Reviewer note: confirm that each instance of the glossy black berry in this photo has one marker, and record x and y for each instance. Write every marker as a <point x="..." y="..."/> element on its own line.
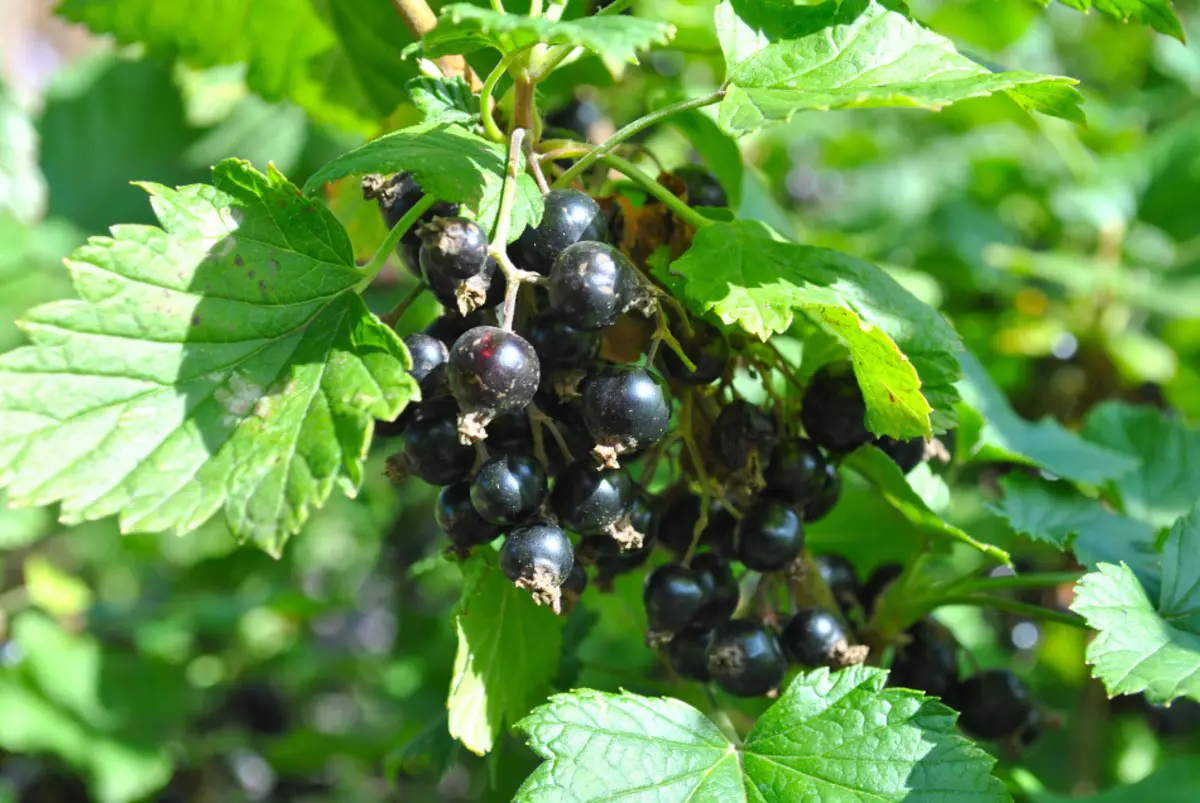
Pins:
<point x="673" y="595"/>
<point x="688" y="653"/>
<point x="745" y="659"/>
<point x="492" y="369"/>
<point x="453" y="247"/>
<point x="813" y="637"/>
<point x="611" y="556"/>
<point x="431" y="447"/>
<point x="398" y="195"/>
<point x="510" y="431"/>
<point x="570" y="217"/>
<point x="591" y="284"/>
<point x="993" y="704"/>
<point x="705" y="346"/>
<point x="590" y="500"/>
<point x="877" y="583"/>
<point x="509" y="488"/>
<point x="926" y="662"/>
<point x="538" y="557"/>
<point x="831" y="491"/>
<point x="717" y="579"/>
<point x="458" y="518"/>
<point x="703" y="189"/>
<point x="770" y="536"/>
<point x="482" y="290"/>
<point x="840" y="578"/>
<point x="906" y="454"/>
<point x="796" y="471"/>
<point x="561" y="346"/>
<point x="624" y="408"/>
<point x="833" y="410"/>
<point x="741" y="432"/>
<point x="429" y="358"/>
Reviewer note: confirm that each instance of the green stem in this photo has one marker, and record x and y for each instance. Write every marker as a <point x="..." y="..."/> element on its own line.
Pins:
<point x="372" y="268"/>
<point x="1013" y="606"/>
<point x="605" y="148"/>
<point x="485" y="100"/>
<point x="498" y="6"/>
<point x="535" y="8"/>
<point x="681" y="210"/>
<point x="499" y="246"/>
<point x="985" y="585"/>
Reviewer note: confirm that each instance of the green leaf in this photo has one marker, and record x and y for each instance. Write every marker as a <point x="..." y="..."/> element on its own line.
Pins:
<point x="1176" y="781"/>
<point x="1166" y="482"/>
<point x="1057" y="514"/>
<point x="444" y="100"/>
<point x="1158" y="14"/>
<point x="335" y="60"/>
<point x="464" y="28"/>
<point x="903" y="350"/>
<point x="879" y="470"/>
<point x="508" y="652"/>
<point x="831" y="736"/>
<point x="1135" y="650"/>
<point x="223" y="361"/>
<point x="783" y="58"/>
<point x="22" y="188"/>
<point x="452" y="164"/>
<point x="1045" y="444"/>
<point x="1180" y="600"/>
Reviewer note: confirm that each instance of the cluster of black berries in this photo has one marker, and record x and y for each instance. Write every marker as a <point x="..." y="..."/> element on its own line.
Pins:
<point x="479" y="429"/>
<point x="992" y="703"/>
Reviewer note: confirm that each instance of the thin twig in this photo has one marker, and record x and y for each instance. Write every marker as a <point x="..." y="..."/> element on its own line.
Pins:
<point x="534" y="165"/>
<point x="499" y="247"/>
<point x="393" y="317"/>
<point x="538" y="418"/>
<point x="660" y="193"/>
<point x="1014" y="606"/>
<point x="419" y="19"/>
<point x="385" y="249"/>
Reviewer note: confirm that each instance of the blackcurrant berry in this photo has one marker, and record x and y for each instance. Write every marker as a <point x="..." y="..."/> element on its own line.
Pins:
<point x="770" y="536"/>
<point x="673" y="596"/>
<point x="717" y="579"/>
<point x="493" y="370"/>
<point x="459" y="520"/>
<point x="453" y="247"/>
<point x="429" y="358"/>
<point x="397" y="196"/>
<point x="510" y="431"/>
<point x="577" y="581"/>
<point x="538" y="557"/>
<point x="589" y="500"/>
<point x="677" y="528"/>
<point x="879" y="580"/>
<point x="509" y="488"/>
<point x="624" y="409"/>
<point x="486" y="288"/>
<point x="431" y="447"/>
<point x="591" y="284"/>
<point x="705" y="346"/>
<point x="796" y="471"/>
<point x="560" y="346"/>
<point x="741" y="432"/>
<point x="451" y="325"/>
<point x="814" y="637"/>
<point x="833" y="410"/>
<point x="703" y="189"/>
<point x="993" y="704"/>
<point x="840" y="578"/>
<point x="819" y="506"/>
<point x="745" y="659"/>
<point x="570" y="217"/>
<point x="927" y="663"/>
<point x="688" y="653"/>
<point x="906" y="454"/>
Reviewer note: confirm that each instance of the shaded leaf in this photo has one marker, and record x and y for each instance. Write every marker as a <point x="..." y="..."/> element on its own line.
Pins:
<point x="1158" y="14"/>
<point x="444" y="100"/>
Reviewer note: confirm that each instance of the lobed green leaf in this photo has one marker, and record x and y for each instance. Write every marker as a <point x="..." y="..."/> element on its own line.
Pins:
<point x="223" y="361"/>
<point x="783" y="58"/>
<point x="1158" y="14"/>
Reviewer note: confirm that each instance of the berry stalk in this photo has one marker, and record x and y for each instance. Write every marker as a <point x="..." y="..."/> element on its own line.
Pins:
<point x="499" y="246"/>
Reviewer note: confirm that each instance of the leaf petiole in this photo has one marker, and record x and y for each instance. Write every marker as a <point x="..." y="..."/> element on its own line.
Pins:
<point x="661" y="193"/>
<point x="485" y="99"/>
<point x="986" y="585"/>
<point x="1012" y="606"/>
